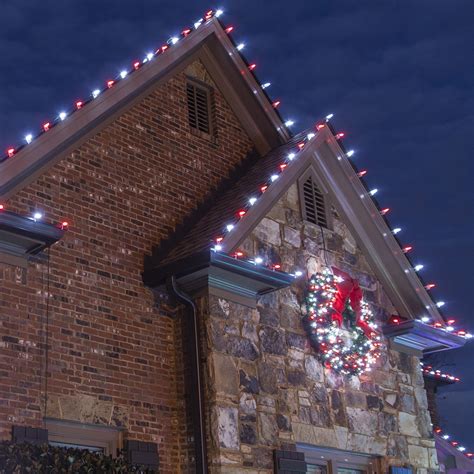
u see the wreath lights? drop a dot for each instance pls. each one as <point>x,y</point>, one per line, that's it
<point>334,297</point>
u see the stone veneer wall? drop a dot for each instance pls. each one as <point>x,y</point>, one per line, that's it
<point>268,387</point>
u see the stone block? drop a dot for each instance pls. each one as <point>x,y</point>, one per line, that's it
<point>247,404</point>
<point>314,369</point>
<point>273,341</point>
<point>268,231</point>
<point>248,382</point>
<point>248,433</point>
<point>418,456</point>
<point>355,399</point>
<point>407,424</point>
<point>268,428</point>
<point>292,236</point>
<point>227,427</point>
<point>362,421</point>
<point>241,347</point>
<point>225,374</point>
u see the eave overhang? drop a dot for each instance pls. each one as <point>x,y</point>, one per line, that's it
<point>222,275</point>
<point>21,237</point>
<point>212,46</point>
<point>416,336</point>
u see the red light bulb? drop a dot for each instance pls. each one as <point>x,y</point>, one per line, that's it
<point>110,84</point>
<point>276,104</point>
<point>64,225</point>
<point>229,29</point>
<point>252,66</point>
<point>362,173</point>
<point>340,135</point>
<point>430,286</point>
<point>241,213</point>
<point>79,104</point>
<point>263,188</point>
<point>136,65</point>
<point>385,211</point>
<point>186,32</point>
<point>10,152</point>
<point>46,126</point>
<point>407,248</point>
<point>319,126</point>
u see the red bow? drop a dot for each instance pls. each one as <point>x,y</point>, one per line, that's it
<point>349,288</point>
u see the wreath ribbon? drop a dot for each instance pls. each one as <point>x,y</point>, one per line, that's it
<point>348,289</point>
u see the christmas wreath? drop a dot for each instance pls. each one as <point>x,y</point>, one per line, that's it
<point>340,324</point>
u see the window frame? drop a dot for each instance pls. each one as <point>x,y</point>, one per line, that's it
<point>311,173</point>
<point>333,459</point>
<point>108,438</point>
<point>209,91</point>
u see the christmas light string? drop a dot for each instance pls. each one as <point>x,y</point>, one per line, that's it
<point>217,244</point>
<point>429,371</point>
<point>455,444</point>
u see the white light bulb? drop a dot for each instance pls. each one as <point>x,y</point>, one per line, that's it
<point>462,448</point>
<point>418,267</point>
<point>449,328</point>
<point>445,436</point>
<point>149,56</point>
<point>291,156</point>
<point>267,84</point>
<point>229,227</point>
<point>95,93</point>
<point>258,260</point>
<point>62,115</point>
<point>440,304</point>
<point>28,138</point>
<point>329,117</point>
<point>219,12</point>
<point>240,46</point>
<point>123,74</point>
<point>298,273</point>
<point>289,123</point>
<point>217,247</point>
<point>273,177</point>
<point>396,230</point>
<point>37,216</point>
<point>252,200</point>
<point>310,136</point>
<point>174,40</point>
<point>350,153</point>
<point>197,24</point>
<point>425,319</point>
<point>373,192</point>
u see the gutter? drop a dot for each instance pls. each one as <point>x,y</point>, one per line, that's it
<point>197,401</point>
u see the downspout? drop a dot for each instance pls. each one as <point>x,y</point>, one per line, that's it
<point>200,434</point>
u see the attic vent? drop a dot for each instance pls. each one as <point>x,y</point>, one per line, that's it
<point>314,207</point>
<point>199,107</point>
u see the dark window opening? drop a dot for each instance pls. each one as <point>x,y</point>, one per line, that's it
<point>313,203</point>
<point>199,107</point>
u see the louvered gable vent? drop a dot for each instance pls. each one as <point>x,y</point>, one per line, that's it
<point>199,107</point>
<point>314,207</point>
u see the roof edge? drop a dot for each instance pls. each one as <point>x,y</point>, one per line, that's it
<point>211,44</point>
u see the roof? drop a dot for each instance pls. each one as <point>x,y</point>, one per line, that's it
<point>322,150</point>
<point>200,231</point>
<point>207,41</point>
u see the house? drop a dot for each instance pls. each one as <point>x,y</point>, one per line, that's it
<point>185,279</point>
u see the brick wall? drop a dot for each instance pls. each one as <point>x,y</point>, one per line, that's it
<point>113,359</point>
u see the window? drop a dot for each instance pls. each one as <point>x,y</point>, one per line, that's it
<point>200,114</point>
<point>94,438</point>
<point>335,461</point>
<point>313,203</point>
